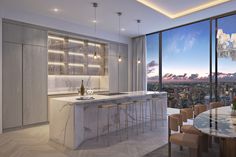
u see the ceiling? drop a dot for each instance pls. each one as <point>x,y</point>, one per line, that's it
<point>81,12</point>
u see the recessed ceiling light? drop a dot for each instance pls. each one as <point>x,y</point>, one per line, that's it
<point>56,10</point>
<point>122,29</point>
<point>94,21</point>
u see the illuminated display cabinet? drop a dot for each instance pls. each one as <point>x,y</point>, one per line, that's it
<point>70,56</point>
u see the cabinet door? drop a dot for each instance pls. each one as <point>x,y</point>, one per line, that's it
<point>12,85</point>
<point>12,33</point>
<point>113,73</point>
<point>123,75</point>
<point>34,36</point>
<point>34,84</point>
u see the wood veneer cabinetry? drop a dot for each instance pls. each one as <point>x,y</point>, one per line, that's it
<point>24,74</point>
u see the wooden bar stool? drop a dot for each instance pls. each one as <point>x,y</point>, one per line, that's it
<point>107,107</point>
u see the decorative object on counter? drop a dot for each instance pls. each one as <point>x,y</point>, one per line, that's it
<point>233,112</point>
<point>82,88</point>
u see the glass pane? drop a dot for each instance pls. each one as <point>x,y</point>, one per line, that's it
<point>185,64</point>
<point>226,52</point>
<point>153,62</point>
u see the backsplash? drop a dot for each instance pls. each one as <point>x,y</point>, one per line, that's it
<point>57,83</point>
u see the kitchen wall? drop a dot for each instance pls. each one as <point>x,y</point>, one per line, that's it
<point>59,25</point>
<point>57,83</point>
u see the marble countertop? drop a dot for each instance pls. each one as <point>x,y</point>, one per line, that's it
<point>103,98</point>
<point>217,122</point>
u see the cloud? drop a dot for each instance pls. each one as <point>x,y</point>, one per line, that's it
<point>180,43</point>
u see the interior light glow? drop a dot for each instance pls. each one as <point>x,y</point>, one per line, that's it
<point>76,41</point>
<point>76,64</point>
<point>56,38</point>
<point>56,63</point>
<point>76,54</point>
<point>56,51</point>
<point>94,66</point>
<point>93,44</point>
<point>182,13</point>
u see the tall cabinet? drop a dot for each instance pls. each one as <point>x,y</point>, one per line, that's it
<point>118,70</point>
<point>24,75</point>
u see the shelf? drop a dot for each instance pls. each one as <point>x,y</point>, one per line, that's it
<point>70,56</point>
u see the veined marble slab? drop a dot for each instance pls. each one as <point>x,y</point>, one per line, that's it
<point>73,121</point>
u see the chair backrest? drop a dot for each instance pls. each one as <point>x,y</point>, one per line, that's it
<point>187,113</point>
<point>216,104</point>
<point>199,108</point>
<point>174,122</point>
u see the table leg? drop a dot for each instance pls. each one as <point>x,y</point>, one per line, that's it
<point>227,147</point>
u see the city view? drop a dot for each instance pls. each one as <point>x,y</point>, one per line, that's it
<point>186,64</point>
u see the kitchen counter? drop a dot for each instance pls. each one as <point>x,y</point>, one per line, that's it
<point>73,121</point>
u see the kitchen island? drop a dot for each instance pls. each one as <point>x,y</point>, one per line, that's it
<point>73,121</point>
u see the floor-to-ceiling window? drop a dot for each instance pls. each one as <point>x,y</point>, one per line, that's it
<point>187,56</point>
<point>185,64</point>
<point>153,62</point>
<point>226,52</point>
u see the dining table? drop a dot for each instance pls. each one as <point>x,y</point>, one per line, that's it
<point>221,123</point>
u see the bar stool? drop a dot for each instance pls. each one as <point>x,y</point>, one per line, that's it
<point>124,106</point>
<point>139,116</point>
<point>108,107</point>
<point>155,103</point>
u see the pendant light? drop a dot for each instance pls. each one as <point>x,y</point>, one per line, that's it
<point>119,59</point>
<point>138,22</point>
<point>95,5</point>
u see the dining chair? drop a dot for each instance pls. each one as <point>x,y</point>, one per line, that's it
<point>216,104</point>
<point>199,108</point>
<point>183,139</point>
<point>187,113</point>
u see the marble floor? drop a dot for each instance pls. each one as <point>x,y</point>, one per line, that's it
<point>34,142</point>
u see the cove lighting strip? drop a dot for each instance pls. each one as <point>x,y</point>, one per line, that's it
<point>76,54</point>
<point>94,66</point>
<point>76,41</point>
<point>56,51</point>
<point>76,65</point>
<point>93,44</point>
<point>56,38</point>
<point>56,63</point>
<point>155,7</point>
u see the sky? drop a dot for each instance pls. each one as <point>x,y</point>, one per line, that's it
<point>186,49</point>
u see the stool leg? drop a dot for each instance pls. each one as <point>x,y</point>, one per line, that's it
<point>136,117</point>
<point>142,118</point>
<point>97,124</point>
<point>150,109</point>
<point>126,121</point>
<point>108,125</point>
